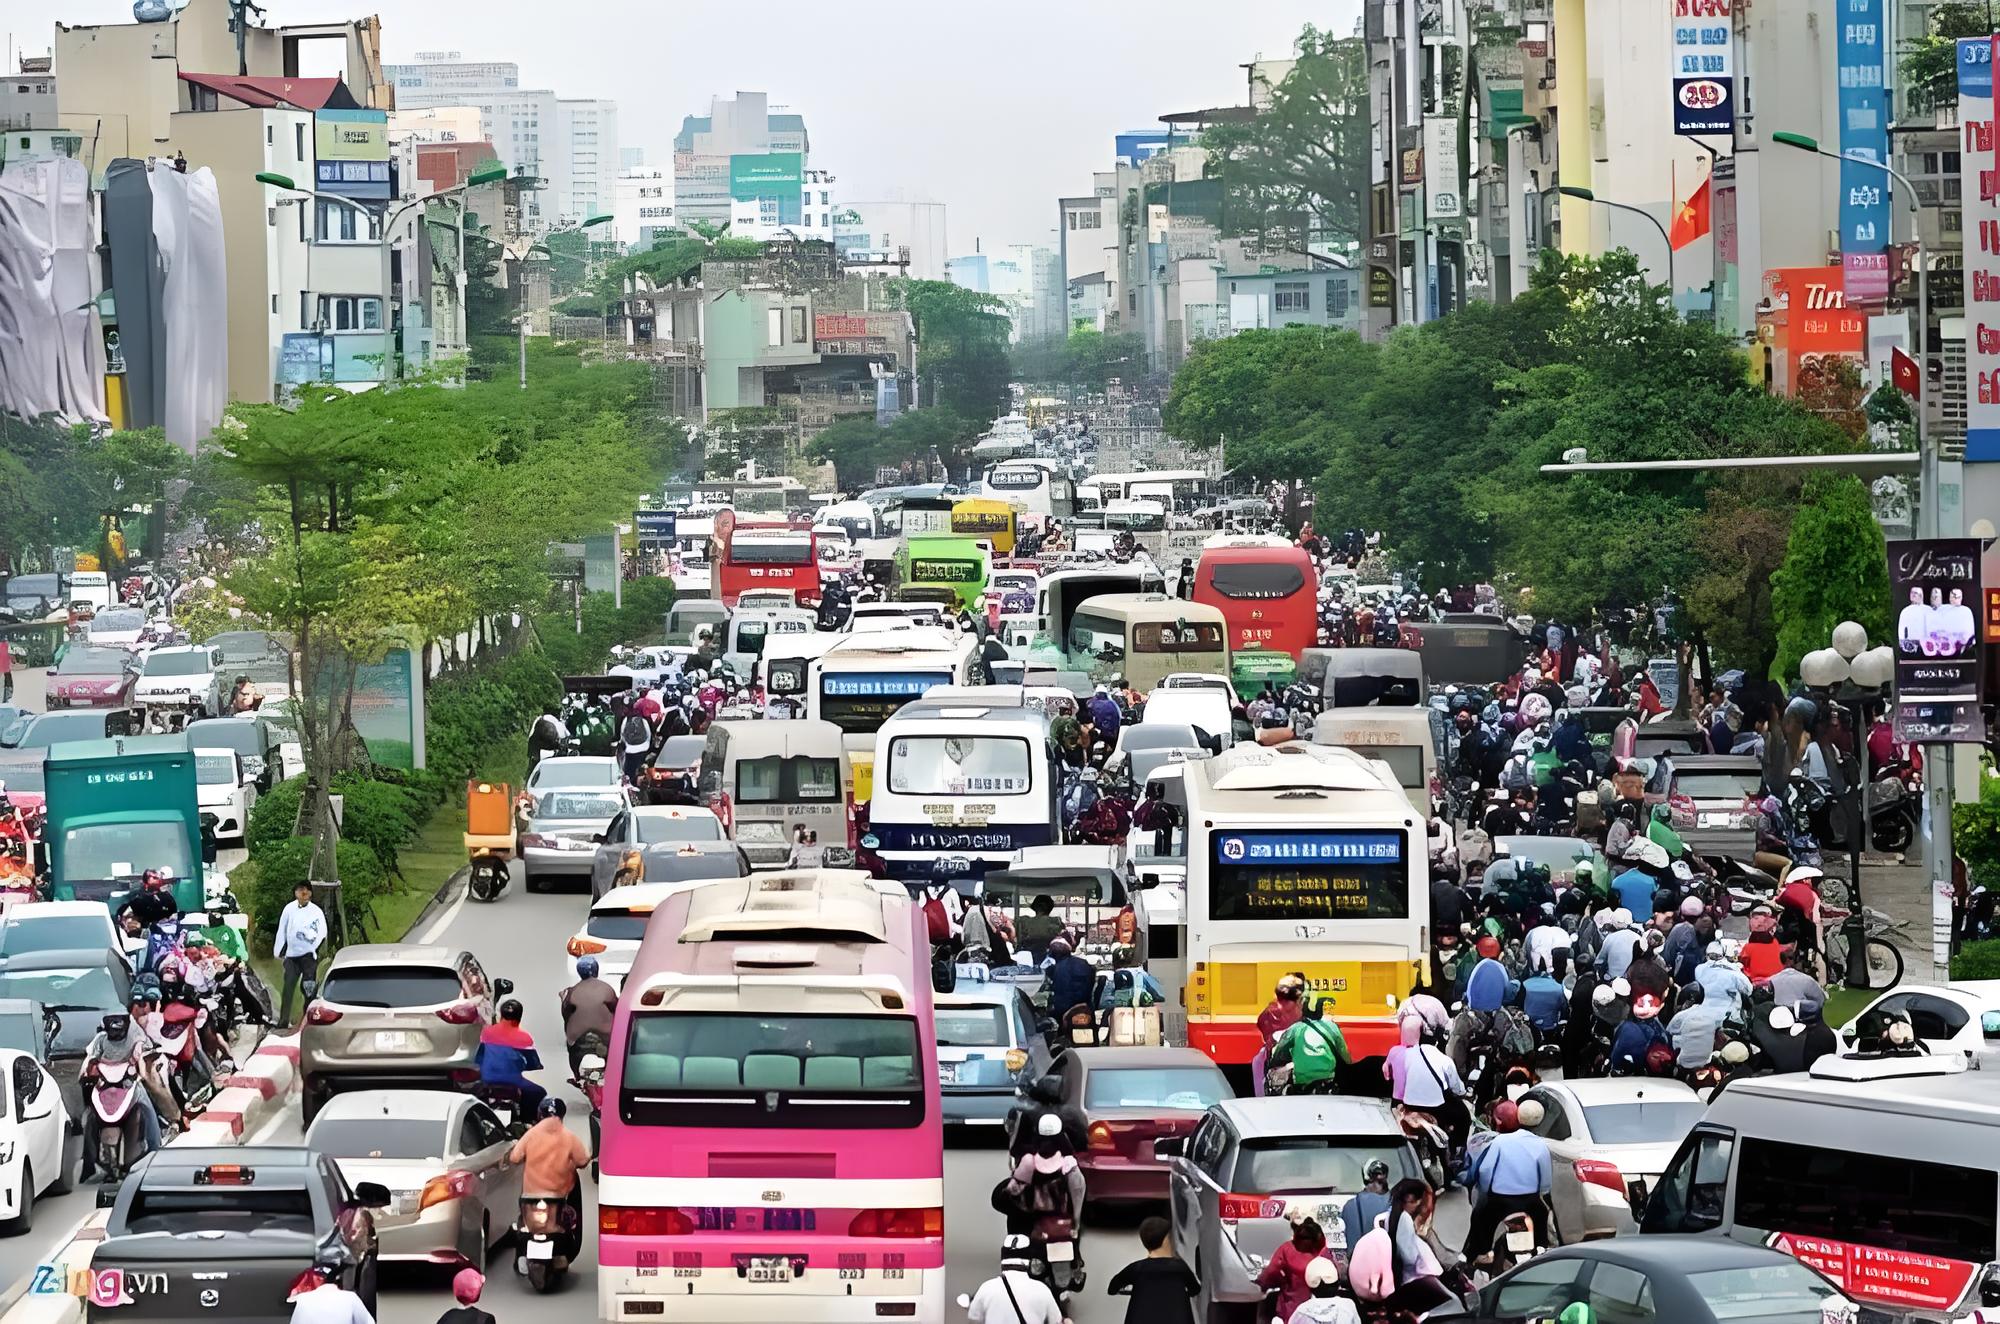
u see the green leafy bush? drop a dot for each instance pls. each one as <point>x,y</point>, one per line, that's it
<point>282,867</point>
<point>274,815</point>
<point>382,816</point>
<point>1977,960</point>
<point>1975,830</point>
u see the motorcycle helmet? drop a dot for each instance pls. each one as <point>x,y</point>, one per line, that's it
<point>1015,1252</point>
<point>1692,908</point>
<point>1489,947</point>
<point>1646,1006</point>
<point>1785,1021</point>
<point>1321,1272</point>
<point>116,1025</point>
<point>1377,1170</point>
<point>1805,873</point>
<point>1529,1113</point>
<point>552,1107</point>
<point>1659,1060</point>
<point>1602,996</point>
<point>1735,1053</point>
<point>1506,1117</point>
<point>586,967</point>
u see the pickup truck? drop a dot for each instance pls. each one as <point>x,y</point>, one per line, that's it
<point>177,685</point>
<point>203,1233</point>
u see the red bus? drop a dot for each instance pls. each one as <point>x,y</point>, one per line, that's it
<point>746,557</point>
<point>1266,589</point>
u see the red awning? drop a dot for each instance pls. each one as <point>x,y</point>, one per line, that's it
<point>267,93</point>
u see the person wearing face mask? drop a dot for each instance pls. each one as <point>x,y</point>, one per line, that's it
<point>1279,1015</point>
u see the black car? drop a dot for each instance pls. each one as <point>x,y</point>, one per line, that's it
<point>1641,1280</point>
<point>223,1233</point>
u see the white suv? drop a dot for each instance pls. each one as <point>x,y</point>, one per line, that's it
<point>184,682</point>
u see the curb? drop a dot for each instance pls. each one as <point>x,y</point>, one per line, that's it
<point>441,899</point>
<point>247,1101</point>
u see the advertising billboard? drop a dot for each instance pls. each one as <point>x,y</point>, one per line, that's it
<point>1934,590</point>
<point>1864,133</point>
<point>1703,47</point>
<point>1815,322</point>
<point>352,151</point>
<point>654,527</point>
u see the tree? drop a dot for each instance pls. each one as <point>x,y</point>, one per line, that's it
<point>1086,359</point>
<point>1301,164</point>
<point>961,345</point>
<point>1930,59</point>
<point>1836,568</point>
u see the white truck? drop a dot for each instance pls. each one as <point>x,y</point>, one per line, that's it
<point>177,685</point>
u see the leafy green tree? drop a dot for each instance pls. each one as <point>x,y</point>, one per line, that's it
<point>1088,359</point>
<point>961,345</point>
<point>1302,164</point>
<point>1930,58</point>
<point>1836,568</point>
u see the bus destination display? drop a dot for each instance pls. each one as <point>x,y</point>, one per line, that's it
<point>928,570</point>
<point>1308,875</point>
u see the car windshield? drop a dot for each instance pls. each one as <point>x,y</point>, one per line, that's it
<point>561,772</point>
<point>118,622</point>
<point>578,804</point>
<point>1649,1123</point>
<point>657,828</point>
<point>391,986</point>
<point>215,769</point>
<point>45,729</point>
<point>378,1137</point>
<point>1769,1294</point>
<point>93,661</point>
<point>90,986</point>
<point>125,850</point>
<point>1309,1164</point>
<point>1718,785</point>
<point>972,1027</point>
<point>1154,1087</point>
<point>53,933</point>
<point>194,662</point>
<point>237,733</point>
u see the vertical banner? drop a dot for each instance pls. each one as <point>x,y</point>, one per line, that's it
<point>1981,228</point>
<point>1441,170</point>
<point>1864,132</point>
<point>1704,66</point>
<point>1934,591</point>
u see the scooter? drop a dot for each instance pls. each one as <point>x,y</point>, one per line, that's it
<point>487,878</point>
<point>114,1094</point>
<point>176,1032</point>
<point>547,1236</point>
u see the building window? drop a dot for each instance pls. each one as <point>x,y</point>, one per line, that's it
<point>798,324</point>
<point>299,140</point>
<point>350,312</point>
<point>1292,296</point>
<point>1086,220</point>
<point>274,305</point>
<point>1336,300</point>
<point>270,135</point>
<point>774,326</point>
<point>823,198</point>
<point>340,224</point>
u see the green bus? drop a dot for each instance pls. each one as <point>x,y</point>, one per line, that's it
<point>959,564</point>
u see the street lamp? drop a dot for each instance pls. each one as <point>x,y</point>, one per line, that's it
<point>543,248</point>
<point>1851,673</point>
<point>1585,195</point>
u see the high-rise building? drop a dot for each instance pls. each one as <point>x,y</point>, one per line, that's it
<point>643,207</point>
<point>741,151</point>
<point>587,132</point>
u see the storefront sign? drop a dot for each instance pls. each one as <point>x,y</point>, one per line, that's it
<point>1981,227</point>
<point>1892,1277</point>
<point>1864,133</point>
<point>1441,174</point>
<point>1704,64</point>
<point>1381,288</point>
<point>1934,590</point>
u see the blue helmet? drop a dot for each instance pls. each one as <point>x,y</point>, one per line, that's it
<point>586,967</point>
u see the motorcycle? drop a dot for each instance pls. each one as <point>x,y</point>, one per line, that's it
<point>548,1234</point>
<point>1057,1260</point>
<point>1431,1141</point>
<point>487,877</point>
<point>176,1030</point>
<point>505,1101</point>
<point>114,1097</point>
<point>1513,1241</point>
<point>1894,808</point>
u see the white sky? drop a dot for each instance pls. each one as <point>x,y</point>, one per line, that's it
<point>995,109</point>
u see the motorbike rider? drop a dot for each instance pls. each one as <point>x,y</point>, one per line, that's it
<point>587,1008</point>
<point>1103,719</point>
<point>1621,942</point>
<point>1694,1029</point>
<point>318,1298</point>
<point>1795,987</point>
<point>551,1155</point>
<point>1313,1045</point>
<point>1046,1183</point>
<point>1279,1015</point>
<point>1723,981</point>
<point>1368,1203</point>
<point>1543,996</point>
<point>119,1040</point>
<point>175,988</point>
<point>1044,1099</point>
<point>1285,1272</point>
<point>1512,1175</point>
<point>1513,819</point>
<point>1647,973</point>
<point>1423,1077</point>
<point>1071,979</point>
<point>153,902</point>
<point>1014,1295</point>
<point>1638,1037</point>
<point>507,1052</point>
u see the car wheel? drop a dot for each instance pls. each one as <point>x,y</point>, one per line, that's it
<point>311,1100</point>
<point>529,883</point>
<point>65,1181</point>
<point>25,1220</point>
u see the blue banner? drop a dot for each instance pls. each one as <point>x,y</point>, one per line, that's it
<point>1975,67</point>
<point>1288,848</point>
<point>1864,133</point>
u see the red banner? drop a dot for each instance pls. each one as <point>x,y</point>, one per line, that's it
<point>839,326</point>
<point>1893,1277</point>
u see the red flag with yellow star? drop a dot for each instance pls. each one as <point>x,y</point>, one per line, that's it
<point>1690,219</point>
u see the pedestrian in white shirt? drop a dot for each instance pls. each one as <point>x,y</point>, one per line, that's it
<point>1013,1296</point>
<point>301,933</point>
<point>326,1301</point>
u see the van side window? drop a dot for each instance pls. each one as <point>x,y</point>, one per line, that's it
<point>1690,1195</point>
<point>1892,1203</point>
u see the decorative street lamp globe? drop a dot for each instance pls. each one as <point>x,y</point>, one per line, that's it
<point>1823,669</point>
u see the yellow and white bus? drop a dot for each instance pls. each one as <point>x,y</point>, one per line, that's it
<point>859,682</point>
<point>1303,858</point>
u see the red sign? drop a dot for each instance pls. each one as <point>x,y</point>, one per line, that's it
<point>839,326</point>
<point>1893,1277</point>
<point>1992,618</point>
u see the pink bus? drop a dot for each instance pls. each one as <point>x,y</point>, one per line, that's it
<point>772,1146</point>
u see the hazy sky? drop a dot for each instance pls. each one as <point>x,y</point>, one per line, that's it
<point>995,109</point>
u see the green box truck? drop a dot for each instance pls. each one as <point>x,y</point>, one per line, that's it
<point>117,808</point>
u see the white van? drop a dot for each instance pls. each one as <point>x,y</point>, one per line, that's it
<point>92,586</point>
<point>1883,1173</point>
<point>1409,740</point>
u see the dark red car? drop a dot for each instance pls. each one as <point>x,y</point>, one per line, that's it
<point>92,678</point>
<point>1129,1098</point>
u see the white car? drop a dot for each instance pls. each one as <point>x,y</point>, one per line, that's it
<point>1604,1136</point>
<point>116,627</point>
<point>616,924</point>
<point>221,788</point>
<point>185,680</point>
<point>1948,1018</point>
<point>52,926</point>
<point>38,1155</point>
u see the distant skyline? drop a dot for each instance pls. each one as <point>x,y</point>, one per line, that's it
<point>995,112</point>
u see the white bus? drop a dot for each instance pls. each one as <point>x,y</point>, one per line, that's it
<point>1178,489</point>
<point>1301,858</point>
<point>1031,486</point>
<point>689,550</point>
<point>859,682</point>
<point>968,778</point>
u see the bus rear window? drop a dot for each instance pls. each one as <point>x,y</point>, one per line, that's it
<point>1256,579</point>
<point>731,1069</point>
<point>774,780</point>
<point>1177,637</point>
<point>770,551</point>
<point>1897,1204</point>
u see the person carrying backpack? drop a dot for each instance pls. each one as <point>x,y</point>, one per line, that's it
<point>635,734</point>
<point>1314,1046</point>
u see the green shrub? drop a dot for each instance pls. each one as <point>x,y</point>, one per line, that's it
<point>380,815</point>
<point>1975,830</point>
<point>274,815</point>
<point>1977,960</point>
<point>281,868</point>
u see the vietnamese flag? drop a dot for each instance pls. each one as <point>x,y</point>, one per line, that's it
<point>1903,372</point>
<point>1690,219</point>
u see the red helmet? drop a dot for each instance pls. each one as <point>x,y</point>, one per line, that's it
<point>1489,947</point>
<point>1506,1117</point>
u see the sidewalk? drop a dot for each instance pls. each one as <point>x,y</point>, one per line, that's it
<point>1901,891</point>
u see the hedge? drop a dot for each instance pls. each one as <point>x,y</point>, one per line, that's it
<point>1975,830</point>
<point>641,616</point>
<point>1977,960</point>
<point>281,868</point>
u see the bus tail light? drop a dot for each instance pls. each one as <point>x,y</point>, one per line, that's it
<point>1238,1207</point>
<point>1596,1172</point>
<point>636,1221</point>
<point>897,1223</point>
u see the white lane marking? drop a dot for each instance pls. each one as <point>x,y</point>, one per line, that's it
<point>443,922</point>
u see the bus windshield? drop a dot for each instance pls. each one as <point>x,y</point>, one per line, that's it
<point>766,549</point>
<point>858,702</point>
<point>1252,579</point>
<point>825,1072</point>
<point>959,765</point>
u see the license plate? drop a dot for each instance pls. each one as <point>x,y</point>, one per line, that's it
<point>769,1269</point>
<point>1521,1242</point>
<point>392,1041</point>
<point>541,1250</point>
<point>1712,820</point>
<point>1061,1252</point>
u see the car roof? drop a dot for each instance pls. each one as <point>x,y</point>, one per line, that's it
<point>415,1105</point>
<point>35,909</point>
<point>393,953</point>
<point>1110,1059</point>
<point>175,1160</point>
<point>58,958</point>
<point>1672,1254</point>
<point>1292,1115</point>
